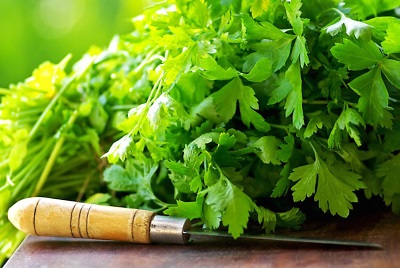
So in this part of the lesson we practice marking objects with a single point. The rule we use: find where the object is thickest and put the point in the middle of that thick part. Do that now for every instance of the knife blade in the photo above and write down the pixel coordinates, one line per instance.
(53, 217)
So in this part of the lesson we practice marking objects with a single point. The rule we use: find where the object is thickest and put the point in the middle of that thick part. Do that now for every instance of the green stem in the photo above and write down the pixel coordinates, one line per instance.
(122, 107)
(71, 164)
(29, 112)
(243, 151)
(49, 107)
(286, 128)
(25, 185)
(33, 161)
(153, 95)
(315, 102)
(84, 186)
(53, 156)
(147, 60)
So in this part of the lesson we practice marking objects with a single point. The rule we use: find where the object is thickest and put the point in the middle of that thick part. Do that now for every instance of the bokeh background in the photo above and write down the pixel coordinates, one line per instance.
(33, 31)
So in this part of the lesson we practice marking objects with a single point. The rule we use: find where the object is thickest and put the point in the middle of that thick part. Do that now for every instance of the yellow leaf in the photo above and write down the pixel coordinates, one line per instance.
(259, 7)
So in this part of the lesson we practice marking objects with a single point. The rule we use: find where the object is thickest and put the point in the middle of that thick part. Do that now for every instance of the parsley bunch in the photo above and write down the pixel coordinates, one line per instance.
(258, 105)
(239, 111)
(54, 128)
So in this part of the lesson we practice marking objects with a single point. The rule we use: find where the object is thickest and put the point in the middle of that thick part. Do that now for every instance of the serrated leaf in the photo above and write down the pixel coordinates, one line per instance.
(174, 67)
(286, 149)
(211, 218)
(268, 220)
(293, 218)
(268, 148)
(259, 7)
(187, 210)
(294, 100)
(263, 30)
(283, 184)
(374, 97)
(391, 69)
(260, 72)
(119, 149)
(248, 103)
(389, 171)
(178, 39)
(119, 180)
(293, 14)
(357, 56)
(225, 101)
(282, 88)
(348, 120)
(299, 52)
(234, 205)
(315, 123)
(391, 44)
(333, 186)
(213, 71)
(353, 27)
(277, 51)
(366, 8)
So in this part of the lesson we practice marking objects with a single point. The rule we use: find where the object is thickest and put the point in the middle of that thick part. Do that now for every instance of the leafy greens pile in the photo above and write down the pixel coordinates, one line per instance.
(54, 128)
(238, 111)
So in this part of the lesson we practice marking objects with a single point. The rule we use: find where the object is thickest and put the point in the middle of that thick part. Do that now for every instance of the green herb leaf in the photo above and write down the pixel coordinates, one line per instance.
(258, 7)
(391, 42)
(353, 27)
(357, 56)
(333, 186)
(294, 101)
(374, 97)
(348, 120)
(225, 104)
(388, 170)
(187, 210)
(268, 219)
(234, 205)
(391, 68)
(268, 149)
(260, 72)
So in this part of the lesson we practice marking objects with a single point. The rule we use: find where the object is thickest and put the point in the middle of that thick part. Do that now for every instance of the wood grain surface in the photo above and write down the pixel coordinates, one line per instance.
(224, 252)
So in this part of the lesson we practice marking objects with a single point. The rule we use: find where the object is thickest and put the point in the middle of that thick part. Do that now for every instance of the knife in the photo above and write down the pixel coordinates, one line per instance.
(53, 217)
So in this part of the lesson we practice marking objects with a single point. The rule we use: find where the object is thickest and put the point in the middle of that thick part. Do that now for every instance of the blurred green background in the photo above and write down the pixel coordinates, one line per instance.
(33, 31)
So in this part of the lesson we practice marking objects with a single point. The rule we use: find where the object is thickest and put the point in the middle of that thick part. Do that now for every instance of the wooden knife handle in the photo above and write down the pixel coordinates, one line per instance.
(53, 217)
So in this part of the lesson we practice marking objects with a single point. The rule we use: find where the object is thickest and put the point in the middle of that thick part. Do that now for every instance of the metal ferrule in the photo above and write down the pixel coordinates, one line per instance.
(169, 230)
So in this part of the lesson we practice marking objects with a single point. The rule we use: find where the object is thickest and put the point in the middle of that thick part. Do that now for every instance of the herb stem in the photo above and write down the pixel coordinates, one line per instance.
(146, 60)
(286, 128)
(153, 95)
(122, 107)
(49, 107)
(53, 156)
(243, 151)
(84, 186)
(315, 102)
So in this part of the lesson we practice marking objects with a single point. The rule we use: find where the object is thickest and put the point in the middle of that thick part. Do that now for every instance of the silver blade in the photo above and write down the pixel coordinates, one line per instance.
(288, 239)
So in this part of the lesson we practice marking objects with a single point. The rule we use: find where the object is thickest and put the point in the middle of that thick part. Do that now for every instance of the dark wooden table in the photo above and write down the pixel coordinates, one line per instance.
(382, 228)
